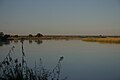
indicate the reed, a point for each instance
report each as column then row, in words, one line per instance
column 102, row 40
column 13, row 69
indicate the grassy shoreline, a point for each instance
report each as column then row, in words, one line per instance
column 102, row 40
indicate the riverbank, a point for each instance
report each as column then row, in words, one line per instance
column 89, row 38
column 47, row 37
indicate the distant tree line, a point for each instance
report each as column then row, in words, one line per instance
column 30, row 35
column 6, row 36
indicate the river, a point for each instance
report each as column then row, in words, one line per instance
column 82, row 60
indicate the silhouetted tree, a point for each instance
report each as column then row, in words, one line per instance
column 39, row 35
column 3, row 37
column 1, row 34
column 16, row 36
column 30, row 35
column 6, row 36
column 101, row 36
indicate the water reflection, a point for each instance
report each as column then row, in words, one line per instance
column 36, row 41
column 30, row 41
column 15, row 41
column 83, row 61
column 7, row 42
column 39, row 41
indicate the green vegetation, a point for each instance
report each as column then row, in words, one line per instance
column 13, row 69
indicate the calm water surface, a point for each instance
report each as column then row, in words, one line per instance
column 82, row 60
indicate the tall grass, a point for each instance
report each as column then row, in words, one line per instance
column 103, row 40
column 13, row 69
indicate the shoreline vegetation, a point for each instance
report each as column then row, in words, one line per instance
column 39, row 36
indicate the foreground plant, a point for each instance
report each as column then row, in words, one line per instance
column 12, row 69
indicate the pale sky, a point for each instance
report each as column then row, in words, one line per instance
column 84, row 17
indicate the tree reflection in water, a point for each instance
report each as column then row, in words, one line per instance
column 39, row 41
column 6, row 42
column 15, row 41
column 30, row 41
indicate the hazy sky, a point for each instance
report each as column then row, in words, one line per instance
column 60, row 16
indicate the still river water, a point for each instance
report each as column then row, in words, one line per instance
column 82, row 60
